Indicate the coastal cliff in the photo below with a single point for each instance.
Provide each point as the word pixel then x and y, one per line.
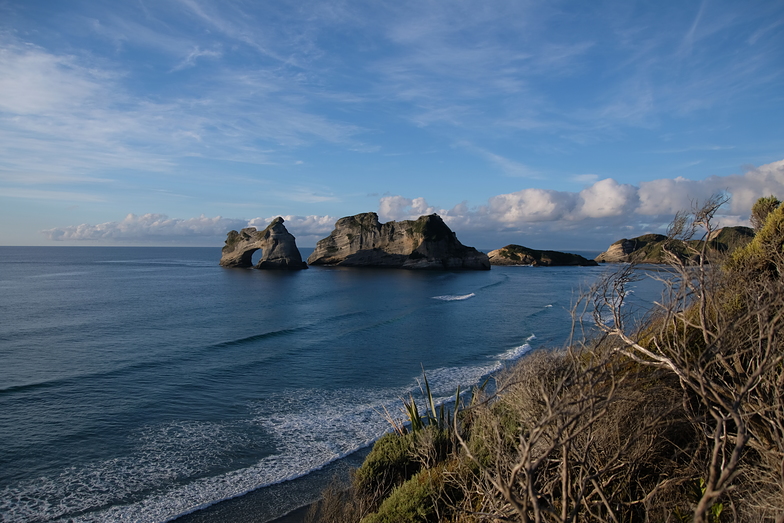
pixel 279 248
pixel 425 243
pixel 519 255
pixel 650 248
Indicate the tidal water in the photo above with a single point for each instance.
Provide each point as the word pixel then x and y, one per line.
pixel 141 384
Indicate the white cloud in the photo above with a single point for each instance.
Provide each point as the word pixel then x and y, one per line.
pixel 33 81
pixel 400 208
pixel 508 166
pixel 668 196
pixel 531 205
pixel 585 178
pixel 607 198
pixel 66 115
pixel 147 227
pixel 604 211
pixel 305 226
pixel 42 194
pixel 190 60
pixel 156 228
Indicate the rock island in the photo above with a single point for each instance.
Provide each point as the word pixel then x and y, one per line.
pixel 426 243
pixel 279 248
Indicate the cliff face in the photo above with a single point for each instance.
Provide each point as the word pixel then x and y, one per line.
pixel 624 249
pixel 279 248
pixel 649 248
pixel 425 243
pixel 519 255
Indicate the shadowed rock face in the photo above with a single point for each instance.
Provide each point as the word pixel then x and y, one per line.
pixel 279 248
pixel 653 248
pixel 622 250
pixel 425 243
pixel 519 255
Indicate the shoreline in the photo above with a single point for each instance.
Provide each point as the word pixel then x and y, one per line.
pixel 295 516
pixel 286 502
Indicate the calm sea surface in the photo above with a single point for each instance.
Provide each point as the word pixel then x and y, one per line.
pixel 139 384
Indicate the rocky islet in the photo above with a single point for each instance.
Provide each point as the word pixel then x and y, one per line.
pixel 278 245
pixel 426 243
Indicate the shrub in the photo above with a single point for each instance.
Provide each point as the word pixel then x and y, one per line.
pixel 678 419
pixel 389 463
pixel 761 209
pixel 763 256
pixel 415 501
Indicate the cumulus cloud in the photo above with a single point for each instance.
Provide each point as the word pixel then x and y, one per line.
pixel 530 205
pixel 400 208
pixel 597 215
pixel 606 198
pixel 600 213
pixel 305 228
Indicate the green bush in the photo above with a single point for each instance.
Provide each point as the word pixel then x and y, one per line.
pixel 389 463
pixel 763 255
pixel 761 209
pixel 412 502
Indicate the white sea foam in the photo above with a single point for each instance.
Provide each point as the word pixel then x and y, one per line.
pixel 517 352
pixel 454 297
pixel 168 473
pixel 318 428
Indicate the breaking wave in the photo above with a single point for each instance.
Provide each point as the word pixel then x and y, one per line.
pixel 454 297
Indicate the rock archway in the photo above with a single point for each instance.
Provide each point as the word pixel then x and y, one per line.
pixel 279 248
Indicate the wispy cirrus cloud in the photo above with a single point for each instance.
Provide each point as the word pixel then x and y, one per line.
pixel 508 166
pixel 63 115
pixel 196 53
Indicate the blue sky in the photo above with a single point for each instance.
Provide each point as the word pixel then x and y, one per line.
pixel 561 125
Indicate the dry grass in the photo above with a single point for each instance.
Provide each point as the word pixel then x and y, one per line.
pixel 681 419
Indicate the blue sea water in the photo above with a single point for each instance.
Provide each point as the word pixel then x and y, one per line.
pixel 140 384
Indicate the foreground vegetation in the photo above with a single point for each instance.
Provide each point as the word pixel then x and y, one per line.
pixel 678 418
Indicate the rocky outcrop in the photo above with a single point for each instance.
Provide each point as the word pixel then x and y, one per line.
pixel 728 239
pixel 279 248
pixel 650 248
pixel 425 243
pixel 519 255
pixel 643 249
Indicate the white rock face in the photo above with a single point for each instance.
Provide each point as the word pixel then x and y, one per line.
pixel 425 243
pixel 279 248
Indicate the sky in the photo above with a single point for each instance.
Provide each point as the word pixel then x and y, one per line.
pixel 551 124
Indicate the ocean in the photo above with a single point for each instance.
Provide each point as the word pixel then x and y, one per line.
pixel 142 384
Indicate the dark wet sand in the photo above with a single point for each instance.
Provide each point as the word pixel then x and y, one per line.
pixel 278 503
pixel 298 516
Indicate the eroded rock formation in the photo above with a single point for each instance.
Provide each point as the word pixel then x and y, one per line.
pixel 653 248
pixel 279 248
pixel 425 243
pixel 624 250
pixel 519 255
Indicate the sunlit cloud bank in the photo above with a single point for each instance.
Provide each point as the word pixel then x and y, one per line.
pixel 601 213
pixel 159 228
pixel 307 229
pixel 592 218
pixel 146 227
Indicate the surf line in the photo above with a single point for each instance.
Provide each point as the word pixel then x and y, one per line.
pixel 454 297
